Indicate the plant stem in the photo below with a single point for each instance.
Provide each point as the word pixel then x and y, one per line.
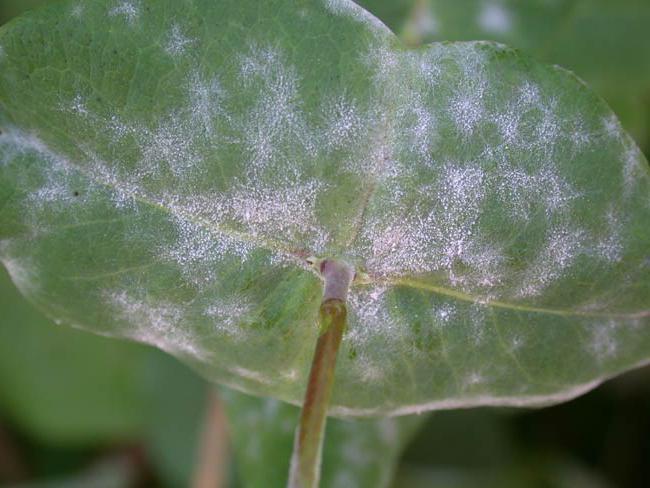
pixel 212 465
pixel 308 443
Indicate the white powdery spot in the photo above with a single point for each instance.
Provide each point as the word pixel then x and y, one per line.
pixel 275 125
pixel 2 53
pixel 228 315
pixel 440 238
pixel 370 319
pixel 350 9
pixel 129 10
pixel 516 343
pixel 78 106
pixel 473 379
pixel 603 343
pixel 177 42
pixel 279 212
pixel 610 246
pixel 21 270
pixel 442 315
pixel 520 192
pixel 495 19
pixel 344 123
pixel 633 166
pixel 77 11
pixel 170 144
pixel 155 322
pixel 206 98
pixel 564 244
pixel 466 108
pixel 612 126
pixel 197 251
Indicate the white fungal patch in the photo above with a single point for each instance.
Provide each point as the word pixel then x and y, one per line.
pixel 564 244
pixel 367 308
pixel 466 106
pixel 344 123
pixel 22 272
pixel 610 245
pixel 285 212
pixel 228 315
pixel 473 379
pixel 275 124
pixel 198 251
pixel 130 11
pixel 603 343
pixel 494 18
pixel 78 106
pixel 441 238
pixel 206 97
pixel 612 127
pixel 171 144
pixel 77 10
pixel 177 42
pixel 155 322
pixel 633 166
pixel 443 315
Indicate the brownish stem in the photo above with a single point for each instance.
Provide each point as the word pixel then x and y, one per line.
pixel 307 449
pixel 212 463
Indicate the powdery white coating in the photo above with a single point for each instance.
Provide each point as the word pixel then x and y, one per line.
pixel 154 322
pixel 177 42
pixel 562 248
pixel 467 104
pixel 276 120
pixel 22 272
pixel 287 210
pixel 229 314
pixel 610 245
pixel 367 307
pixel 129 10
pixel 603 342
pixel 198 251
pixel 77 11
pixel 495 18
pixel 633 167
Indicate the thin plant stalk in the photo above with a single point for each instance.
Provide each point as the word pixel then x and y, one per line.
pixel 308 443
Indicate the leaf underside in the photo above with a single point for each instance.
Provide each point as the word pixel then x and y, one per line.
pixel 166 167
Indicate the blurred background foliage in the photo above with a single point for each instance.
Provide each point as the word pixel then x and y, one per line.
pixel 87 411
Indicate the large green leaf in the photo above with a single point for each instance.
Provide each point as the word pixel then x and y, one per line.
pixel 359 452
pixel 604 42
pixel 167 168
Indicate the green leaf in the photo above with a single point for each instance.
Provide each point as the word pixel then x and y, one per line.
pixel 360 452
pixel 168 167
pixel 605 43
